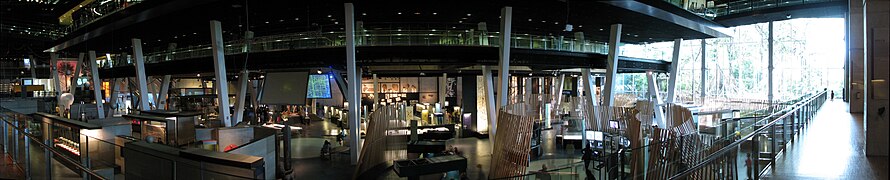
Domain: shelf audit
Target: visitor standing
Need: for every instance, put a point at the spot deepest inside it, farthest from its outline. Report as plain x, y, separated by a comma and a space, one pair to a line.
749, 166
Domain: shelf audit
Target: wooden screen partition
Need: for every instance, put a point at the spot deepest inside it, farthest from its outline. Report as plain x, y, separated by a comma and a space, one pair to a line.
510, 155
603, 114
373, 152
635, 136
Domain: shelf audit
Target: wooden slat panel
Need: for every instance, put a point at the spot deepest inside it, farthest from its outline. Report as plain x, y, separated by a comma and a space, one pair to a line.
510, 155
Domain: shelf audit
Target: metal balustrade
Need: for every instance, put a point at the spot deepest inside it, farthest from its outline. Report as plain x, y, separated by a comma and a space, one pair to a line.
753, 5
307, 40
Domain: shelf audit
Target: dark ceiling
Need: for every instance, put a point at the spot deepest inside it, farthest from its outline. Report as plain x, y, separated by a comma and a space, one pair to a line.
187, 24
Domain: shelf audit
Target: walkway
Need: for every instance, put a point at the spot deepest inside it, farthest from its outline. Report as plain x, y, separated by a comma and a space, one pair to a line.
832, 147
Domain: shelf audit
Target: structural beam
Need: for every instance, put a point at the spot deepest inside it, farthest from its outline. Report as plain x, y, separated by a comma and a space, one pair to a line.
219, 70
113, 99
657, 105
590, 102
141, 80
490, 103
72, 82
353, 92
704, 69
376, 92
675, 65
612, 64
442, 88
241, 97
504, 54
97, 84
165, 89
771, 66
53, 71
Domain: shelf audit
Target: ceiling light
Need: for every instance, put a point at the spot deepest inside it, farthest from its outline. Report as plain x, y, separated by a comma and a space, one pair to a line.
601, 29
364, 14
544, 21
529, 20
417, 13
460, 21
469, 14
435, 13
329, 15
199, 75
296, 19
399, 13
318, 71
267, 22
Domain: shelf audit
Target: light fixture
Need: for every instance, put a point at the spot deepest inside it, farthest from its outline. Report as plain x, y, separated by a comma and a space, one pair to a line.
417, 13
469, 14
199, 75
329, 15
399, 13
318, 71
364, 14
435, 13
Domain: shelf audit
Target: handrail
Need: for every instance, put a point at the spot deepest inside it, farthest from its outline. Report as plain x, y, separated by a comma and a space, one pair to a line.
54, 151
733, 146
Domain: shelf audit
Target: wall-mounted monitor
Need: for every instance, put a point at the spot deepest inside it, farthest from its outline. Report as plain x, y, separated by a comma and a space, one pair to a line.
285, 88
319, 87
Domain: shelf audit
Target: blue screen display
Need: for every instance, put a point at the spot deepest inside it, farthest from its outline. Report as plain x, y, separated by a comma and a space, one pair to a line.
319, 87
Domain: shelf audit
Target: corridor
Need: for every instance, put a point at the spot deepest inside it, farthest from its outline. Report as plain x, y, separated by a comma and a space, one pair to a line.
832, 147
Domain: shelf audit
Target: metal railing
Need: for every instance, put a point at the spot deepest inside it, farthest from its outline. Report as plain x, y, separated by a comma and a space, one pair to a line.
768, 140
17, 137
390, 37
753, 5
95, 11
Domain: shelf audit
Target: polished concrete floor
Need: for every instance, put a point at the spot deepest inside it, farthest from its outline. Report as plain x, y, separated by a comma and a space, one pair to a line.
832, 147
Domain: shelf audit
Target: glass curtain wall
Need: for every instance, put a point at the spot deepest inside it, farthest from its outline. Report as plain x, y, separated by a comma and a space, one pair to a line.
808, 56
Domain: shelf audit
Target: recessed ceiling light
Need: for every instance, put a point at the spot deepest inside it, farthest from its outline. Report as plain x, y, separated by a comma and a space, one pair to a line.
267, 22
544, 21
417, 13
399, 13
469, 14
364, 14
435, 13
329, 15
529, 20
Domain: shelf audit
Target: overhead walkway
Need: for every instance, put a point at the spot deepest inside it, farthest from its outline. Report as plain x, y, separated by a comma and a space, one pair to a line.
389, 47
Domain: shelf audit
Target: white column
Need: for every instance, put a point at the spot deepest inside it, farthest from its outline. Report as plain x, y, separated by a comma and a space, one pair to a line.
675, 65
376, 91
490, 103
53, 71
141, 81
770, 67
559, 88
165, 89
442, 88
704, 69
241, 97
112, 101
72, 82
656, 100
97, 84
33, 66
219, 70
355, 81
504, 53
612, 65
590, 98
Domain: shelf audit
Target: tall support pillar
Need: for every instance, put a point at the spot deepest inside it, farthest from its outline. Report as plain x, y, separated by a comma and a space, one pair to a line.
165, 90
704, 70
113, 99
72, 82
141, 80
490, 103
33, 66
219, 70
241, 96
855, 87
376, 91
443, 83
53, 71
590, 98
354, 78
612, 65
877, 36
675, 65
770, 67
658, 106
504, 54
97, 84
559, 87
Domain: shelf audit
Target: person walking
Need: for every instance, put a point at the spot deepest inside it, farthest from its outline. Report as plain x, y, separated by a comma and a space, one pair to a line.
587, 156
749, 166
832, 95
